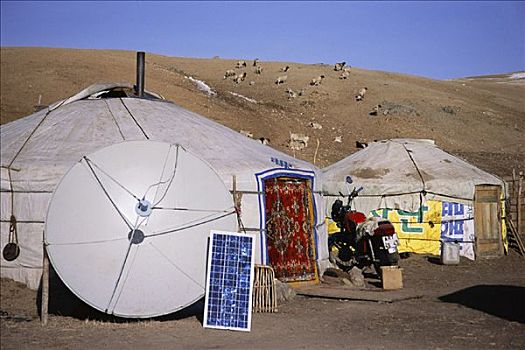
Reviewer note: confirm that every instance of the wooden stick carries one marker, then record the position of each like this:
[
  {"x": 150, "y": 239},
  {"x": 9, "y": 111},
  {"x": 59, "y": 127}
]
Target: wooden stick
[
  {"x": 316, "y": 149},
  {"x": 45, "y": 288},
  {"x": 236, "y": 202},
  {"x": 516, "y": 237},
  {"x": 513, "y": 195},
  {"x": 520, "y": 198}
]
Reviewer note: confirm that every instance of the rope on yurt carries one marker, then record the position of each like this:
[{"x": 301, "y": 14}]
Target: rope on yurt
[
  {"x": 134, "y": 119},
  {"x": 33, "y": 132},
  {"x": 11, "y": 250},
  {"x": 423, "y": 191},
  {"x": 13, "y": 221},
  {"x": 115, "y": 120}
]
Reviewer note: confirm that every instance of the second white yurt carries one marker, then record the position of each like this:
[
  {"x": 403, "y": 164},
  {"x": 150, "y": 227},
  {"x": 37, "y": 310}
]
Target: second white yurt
[{"x": 430, "y": 195}]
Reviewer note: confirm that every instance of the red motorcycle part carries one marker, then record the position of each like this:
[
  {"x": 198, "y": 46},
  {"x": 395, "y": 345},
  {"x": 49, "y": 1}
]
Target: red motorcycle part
[{"x": 385, "y": 228}]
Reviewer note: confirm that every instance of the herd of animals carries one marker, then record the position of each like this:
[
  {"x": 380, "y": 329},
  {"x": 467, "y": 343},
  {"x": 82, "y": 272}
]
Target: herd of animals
[
  {"x": 239, "y": 77},
  {"x": 297, "y": 141}
]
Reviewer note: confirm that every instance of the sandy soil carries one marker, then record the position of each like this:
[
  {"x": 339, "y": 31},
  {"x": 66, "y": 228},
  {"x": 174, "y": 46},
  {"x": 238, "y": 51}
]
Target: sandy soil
[
  {"x": 475, "y": 305},
  {"x": 481, "y": 119}
]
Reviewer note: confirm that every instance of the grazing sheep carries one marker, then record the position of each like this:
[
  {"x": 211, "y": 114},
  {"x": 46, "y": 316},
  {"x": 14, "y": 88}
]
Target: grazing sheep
[
  {"x": 229, "y": 73},
  {"x": 285, "y": 69},
  {"x": 246, "y": 133},
  {"x": 375, "y": 110},
  {"x": 281, "y": 79},
  {"x": 361, "y": 144},
  {"x": 240, "y": 64},
  {"x": 264, "y": 140},
  {"x": 316, "y": 81},
  {"x": 238, "y": 78},
  {"x": 315, "y": 125},
  {"x": 294, "y": 94},
  {"x": 256, "y": 62},
  {"x": 361, "y": 95},
  {"x": 345, "y": 73},
  {"x": 258, "y": 69},
  {"x": 298, "y": 141},
  {"x": 339, "y": 66},
  {"x": 338, "y": 139}
]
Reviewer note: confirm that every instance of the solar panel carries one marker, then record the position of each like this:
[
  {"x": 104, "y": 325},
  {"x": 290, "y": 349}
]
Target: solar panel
[{"x": 229, "y": 281}]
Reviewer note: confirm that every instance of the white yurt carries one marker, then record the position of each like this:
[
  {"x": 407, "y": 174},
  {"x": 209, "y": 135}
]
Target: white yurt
[
  {"x": 430, "y": 195},
  {"x": 278, "y": 196}
]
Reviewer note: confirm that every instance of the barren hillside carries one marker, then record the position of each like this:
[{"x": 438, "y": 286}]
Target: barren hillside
[{"x": 481, "y": 119}]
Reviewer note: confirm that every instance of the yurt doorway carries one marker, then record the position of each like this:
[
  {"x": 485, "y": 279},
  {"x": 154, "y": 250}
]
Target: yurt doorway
[
  {"x": 487, "y": 220},
  {"x": 290, "y": 228}
]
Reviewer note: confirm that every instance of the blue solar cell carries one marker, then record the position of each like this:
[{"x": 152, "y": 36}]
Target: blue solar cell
[{"x": 229, "y": 282}]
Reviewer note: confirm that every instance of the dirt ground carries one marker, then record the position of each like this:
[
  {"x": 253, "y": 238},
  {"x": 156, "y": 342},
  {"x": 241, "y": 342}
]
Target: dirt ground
[{"x": 475, "y": 305}]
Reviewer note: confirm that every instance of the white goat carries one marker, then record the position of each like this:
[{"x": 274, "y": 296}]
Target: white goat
[
  {"x": 264, "y": 140},
  {"x": 345, "y": 73},
  {"x": 316, "y": 81},
  {"x": 285, "y": 69},
  {"x": 339, "y": 66},
  {"x": 246, "y": 133},
  {"x": 315, "y": 125},
  {"x": 229, "y": 73},
  {"x": 361, "y": 94},
  {"x": 258, "y": 69},
  {"x": 298, "y": 141},
  {"x": 281, "y": 79},
  {"x": 294, "y": 94},
  {"x": 375, "y": 110},
  {"x": 238, "y": 78},
  {"x": 240, "y": 64}
]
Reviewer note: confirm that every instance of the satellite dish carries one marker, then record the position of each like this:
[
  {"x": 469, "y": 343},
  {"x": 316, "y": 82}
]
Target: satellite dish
[{"x": 127, "y": 227}]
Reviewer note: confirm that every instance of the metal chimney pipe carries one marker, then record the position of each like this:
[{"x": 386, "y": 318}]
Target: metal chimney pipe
[{"x": 139, "y": 88}]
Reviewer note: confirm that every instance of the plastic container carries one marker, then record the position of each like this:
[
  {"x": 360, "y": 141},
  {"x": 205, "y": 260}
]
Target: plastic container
[{"x": 449, "y": 253}]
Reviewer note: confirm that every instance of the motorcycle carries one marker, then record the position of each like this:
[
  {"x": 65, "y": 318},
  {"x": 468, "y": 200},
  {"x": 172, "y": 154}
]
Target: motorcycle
[{"x": 361, "y": 242}]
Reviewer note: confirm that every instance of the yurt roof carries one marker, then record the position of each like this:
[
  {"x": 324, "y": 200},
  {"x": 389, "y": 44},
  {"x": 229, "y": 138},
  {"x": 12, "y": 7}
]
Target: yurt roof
[
  {"x": 406, "y": 167},
  {"x": 52, "y": 140}
]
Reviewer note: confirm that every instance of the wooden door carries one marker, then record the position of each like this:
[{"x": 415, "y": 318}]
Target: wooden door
[
  {"x": 487, "y": 220},
  {"x": 290, "y": 229}
]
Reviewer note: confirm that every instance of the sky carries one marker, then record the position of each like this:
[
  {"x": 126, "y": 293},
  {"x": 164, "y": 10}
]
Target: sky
[{"x": 439, "y": 40}]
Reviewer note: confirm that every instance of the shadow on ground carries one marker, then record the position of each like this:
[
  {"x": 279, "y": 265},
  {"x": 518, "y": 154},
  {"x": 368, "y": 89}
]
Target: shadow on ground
[
  {"x": 63, "y": 302},
  {"x": 507, "y": 302}
]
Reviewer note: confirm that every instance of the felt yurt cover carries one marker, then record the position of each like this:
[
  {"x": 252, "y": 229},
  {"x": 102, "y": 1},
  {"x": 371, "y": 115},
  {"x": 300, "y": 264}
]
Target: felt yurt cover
[
  {"x": 36, "y": 151},
  {"x": 426, "y": 191}
]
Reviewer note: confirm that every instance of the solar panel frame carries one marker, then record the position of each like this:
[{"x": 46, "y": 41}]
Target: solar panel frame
[{"x": 229, "y": 281}]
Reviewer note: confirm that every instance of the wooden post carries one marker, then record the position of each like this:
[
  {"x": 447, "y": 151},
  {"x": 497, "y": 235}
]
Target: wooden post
[
  {"x": 520, "y": 198},
  {"x": 514, "y": 196},
  {"x": 236, "y": 202},
  {"x": 45, "y": 288},
  {"x": 316, "y": 149}
]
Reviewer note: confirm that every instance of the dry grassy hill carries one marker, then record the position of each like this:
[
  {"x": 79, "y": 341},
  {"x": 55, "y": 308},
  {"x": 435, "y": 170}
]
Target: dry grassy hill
[{"x": 479, "y": 118}]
